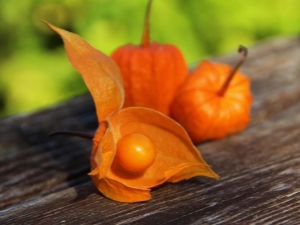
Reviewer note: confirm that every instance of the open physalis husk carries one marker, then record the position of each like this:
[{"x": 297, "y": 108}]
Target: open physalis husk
[{"x": 176, "y": 157}]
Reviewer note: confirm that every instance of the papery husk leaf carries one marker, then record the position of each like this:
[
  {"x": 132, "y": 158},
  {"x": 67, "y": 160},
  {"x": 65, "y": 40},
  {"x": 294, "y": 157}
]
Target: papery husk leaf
[
  {"x": 186, "y": 171},
  {"x": 100, "y": 73},
  {"x": 103, "y": 151},
  {"x": 117, "y": 191},
  {"x": 173, "y": 145}
]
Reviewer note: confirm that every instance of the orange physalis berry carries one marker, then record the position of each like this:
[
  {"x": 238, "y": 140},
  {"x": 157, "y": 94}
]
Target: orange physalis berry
[
  {"x": 214, "y": 101},
  {"x": 135, "y": 152},
  {"x": 152, "y": 72},
  {"x": 170, "y": 154}
]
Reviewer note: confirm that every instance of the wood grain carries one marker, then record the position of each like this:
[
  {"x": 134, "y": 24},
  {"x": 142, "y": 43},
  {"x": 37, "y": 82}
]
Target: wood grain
[{"x": 44, "y": 180}]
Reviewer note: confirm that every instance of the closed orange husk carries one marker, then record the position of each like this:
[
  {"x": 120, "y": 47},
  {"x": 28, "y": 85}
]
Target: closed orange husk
[
  {"x": 124, "y": 132},
  {"x": 152, "y": 72},
  {"x": 214, "y": 101}
]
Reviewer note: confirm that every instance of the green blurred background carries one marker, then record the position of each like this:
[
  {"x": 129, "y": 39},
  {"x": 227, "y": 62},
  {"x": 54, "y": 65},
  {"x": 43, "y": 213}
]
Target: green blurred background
[{"x": 35, "y": 73}]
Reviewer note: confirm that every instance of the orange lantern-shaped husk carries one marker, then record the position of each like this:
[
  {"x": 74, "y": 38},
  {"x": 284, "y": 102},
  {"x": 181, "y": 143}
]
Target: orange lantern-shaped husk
[
  {"x": 152, "y": 72},
  {"x": 214, "y": 101}
]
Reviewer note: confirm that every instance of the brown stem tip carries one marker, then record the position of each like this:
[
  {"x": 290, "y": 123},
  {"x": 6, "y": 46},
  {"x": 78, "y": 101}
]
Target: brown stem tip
[{"x": 244, "y": 51}]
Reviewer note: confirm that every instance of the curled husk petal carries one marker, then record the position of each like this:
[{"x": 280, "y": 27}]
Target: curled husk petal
[
  {"x": 101, "y": 74},
  {"x": 117, "y": 191}
]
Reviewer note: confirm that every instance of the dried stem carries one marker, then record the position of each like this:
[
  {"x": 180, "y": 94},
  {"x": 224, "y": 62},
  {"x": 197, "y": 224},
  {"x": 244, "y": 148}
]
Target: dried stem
[
  {"x": 244, "y": 51},
  {"x": 146, "y": 33},
  {"x": 73, "y": 133}
]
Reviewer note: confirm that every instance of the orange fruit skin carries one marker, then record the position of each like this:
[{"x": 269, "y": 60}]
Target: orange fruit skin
[{"x": 135, "y": 152}]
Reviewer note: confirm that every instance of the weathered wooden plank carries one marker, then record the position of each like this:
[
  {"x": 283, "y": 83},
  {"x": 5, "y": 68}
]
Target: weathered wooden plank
[
  {"x": 45, "y": 179},
  {"x": 210, "y": 203},
  {"x": 271, "y": 184},
  {"x": 37, "y": 163}
]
